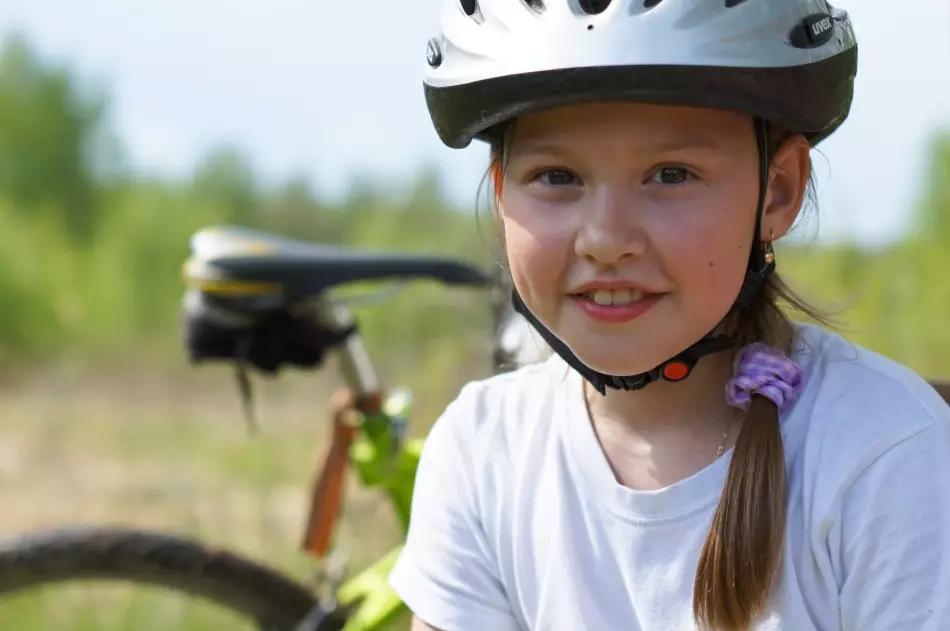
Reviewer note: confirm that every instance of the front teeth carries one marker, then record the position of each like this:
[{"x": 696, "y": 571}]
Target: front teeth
[{"x": 608, "y": 297}]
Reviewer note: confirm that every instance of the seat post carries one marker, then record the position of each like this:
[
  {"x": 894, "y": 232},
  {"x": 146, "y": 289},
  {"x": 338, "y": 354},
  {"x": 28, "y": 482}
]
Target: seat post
[{"x": 355, "y": 363}]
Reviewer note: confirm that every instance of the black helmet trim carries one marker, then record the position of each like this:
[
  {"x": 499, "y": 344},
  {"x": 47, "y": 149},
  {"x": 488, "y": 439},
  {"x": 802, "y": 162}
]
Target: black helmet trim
[{"x": 813, "y": 99}]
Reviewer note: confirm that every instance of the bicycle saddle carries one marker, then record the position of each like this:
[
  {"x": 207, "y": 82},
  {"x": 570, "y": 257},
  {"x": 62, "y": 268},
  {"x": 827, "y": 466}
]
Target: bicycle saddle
[{"x": 241, "y": 261}]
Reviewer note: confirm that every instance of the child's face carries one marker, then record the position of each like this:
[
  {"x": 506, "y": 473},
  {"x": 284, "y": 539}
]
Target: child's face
[{"x": 662, "y": 197}]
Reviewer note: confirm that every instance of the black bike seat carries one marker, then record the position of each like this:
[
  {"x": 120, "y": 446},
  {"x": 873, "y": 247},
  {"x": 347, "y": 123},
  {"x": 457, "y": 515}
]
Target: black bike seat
[{"x": 236, "y": 260}]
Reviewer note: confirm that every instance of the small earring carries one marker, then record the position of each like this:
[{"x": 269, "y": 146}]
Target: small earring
[{"x": 769, "y": 254}]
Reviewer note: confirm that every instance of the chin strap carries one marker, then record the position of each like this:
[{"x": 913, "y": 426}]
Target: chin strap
[{"x": 681, "y": 365}]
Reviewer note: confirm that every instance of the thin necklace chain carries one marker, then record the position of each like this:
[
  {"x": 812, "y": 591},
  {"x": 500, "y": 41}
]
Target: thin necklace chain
[
  {"x": 725, "y": 437},
  {"x": 722, "y": 443}
]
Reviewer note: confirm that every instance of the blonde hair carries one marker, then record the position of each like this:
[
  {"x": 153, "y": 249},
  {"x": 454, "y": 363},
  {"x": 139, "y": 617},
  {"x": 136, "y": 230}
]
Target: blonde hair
[{"x": 743, "y": 550}]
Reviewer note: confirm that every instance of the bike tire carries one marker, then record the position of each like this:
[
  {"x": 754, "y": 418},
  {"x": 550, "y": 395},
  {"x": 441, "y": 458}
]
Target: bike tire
[{"x": 274, "y": 601}]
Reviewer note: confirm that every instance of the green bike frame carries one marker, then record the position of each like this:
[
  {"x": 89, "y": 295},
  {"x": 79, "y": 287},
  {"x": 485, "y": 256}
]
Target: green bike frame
[{"x": 382, "y": 460}]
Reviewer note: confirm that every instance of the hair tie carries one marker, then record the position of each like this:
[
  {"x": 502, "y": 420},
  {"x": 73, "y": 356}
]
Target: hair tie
[{"x": 763, "y": 370}]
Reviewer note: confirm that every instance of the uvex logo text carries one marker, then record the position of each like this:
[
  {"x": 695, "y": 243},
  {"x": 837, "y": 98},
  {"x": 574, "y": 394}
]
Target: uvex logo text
[{"x": 821, "y": 26}]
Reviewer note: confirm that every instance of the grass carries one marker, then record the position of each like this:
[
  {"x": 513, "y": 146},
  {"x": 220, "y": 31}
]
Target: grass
[
  {"x": 95, "y": 608},
  {"x": 168, "y": 450}
]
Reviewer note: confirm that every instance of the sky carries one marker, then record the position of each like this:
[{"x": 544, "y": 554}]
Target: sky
[{"x": 333, "y": 90}]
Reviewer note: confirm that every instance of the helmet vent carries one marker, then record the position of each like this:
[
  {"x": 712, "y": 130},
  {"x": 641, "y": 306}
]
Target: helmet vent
[
  {"x": 733, "y": 3},
  {"x": 593, "y": 7},
  {"x": 470, "y": 7},
  {"x": 649, "y": 4},
  {"x": 535, "y": 5}
]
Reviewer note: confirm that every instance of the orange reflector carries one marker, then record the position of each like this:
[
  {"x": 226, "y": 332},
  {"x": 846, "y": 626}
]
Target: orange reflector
[{"x": 675, "y": 371}]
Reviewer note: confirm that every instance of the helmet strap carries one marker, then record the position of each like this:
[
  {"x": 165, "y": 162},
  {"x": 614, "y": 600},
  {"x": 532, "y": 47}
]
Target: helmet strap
[{"x": 680, "y": 366}]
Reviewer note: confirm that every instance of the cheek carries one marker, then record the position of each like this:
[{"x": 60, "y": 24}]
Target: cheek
[
  {"x": 706, "y": 252},
  {"x": 539, "y": 246}
]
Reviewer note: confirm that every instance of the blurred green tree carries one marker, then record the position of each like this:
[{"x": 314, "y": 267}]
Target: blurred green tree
[
  {"x": 934, "y": 212},
  {"x": 226, "y": 176},
  {"x": 48, "y": 128}
]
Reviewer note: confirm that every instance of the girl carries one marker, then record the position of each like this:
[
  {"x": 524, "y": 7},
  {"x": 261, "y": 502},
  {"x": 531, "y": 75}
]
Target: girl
[{"x": 689, "y": 457}]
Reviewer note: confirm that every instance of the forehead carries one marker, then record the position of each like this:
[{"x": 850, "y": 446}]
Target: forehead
[{"x": 636, "y": 124}]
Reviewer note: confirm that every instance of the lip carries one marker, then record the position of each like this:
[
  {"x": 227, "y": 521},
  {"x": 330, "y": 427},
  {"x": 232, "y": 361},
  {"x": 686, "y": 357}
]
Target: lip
[{"x": 614, "y": 284}]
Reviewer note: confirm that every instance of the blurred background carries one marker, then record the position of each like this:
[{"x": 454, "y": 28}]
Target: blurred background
[{"x": 126, "y": 127}]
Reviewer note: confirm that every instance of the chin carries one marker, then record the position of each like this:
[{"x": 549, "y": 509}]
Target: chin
[
  {"x": 619, "y": 360},
  {"x": 633, "y": 349}
]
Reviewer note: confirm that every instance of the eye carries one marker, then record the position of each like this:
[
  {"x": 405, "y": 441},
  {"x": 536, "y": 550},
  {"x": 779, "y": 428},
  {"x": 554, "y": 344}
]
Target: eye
[
  {"x": 671, "y": 176},
  {"x": 556, "y": 177}
]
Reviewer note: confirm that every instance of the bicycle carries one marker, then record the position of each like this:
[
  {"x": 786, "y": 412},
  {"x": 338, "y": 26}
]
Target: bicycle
[{"x": 261, "y": 300}]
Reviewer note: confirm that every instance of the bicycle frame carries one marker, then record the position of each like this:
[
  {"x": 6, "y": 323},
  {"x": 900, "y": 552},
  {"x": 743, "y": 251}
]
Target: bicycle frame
[{"x": 367, "y": 435}]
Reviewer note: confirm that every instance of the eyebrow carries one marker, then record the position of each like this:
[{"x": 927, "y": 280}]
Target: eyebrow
[{"x": 667, "y": 146}]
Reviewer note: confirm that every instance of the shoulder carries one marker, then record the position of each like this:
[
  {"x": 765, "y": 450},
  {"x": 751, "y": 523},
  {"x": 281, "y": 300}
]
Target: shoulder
[
  {"x": 497, "y": 415},
  {"x": 480, "y": 450},
  {"x": 493, "y": 421},
  {"x": 857, "y": 406},
  {"x": 860, "y": 392}
]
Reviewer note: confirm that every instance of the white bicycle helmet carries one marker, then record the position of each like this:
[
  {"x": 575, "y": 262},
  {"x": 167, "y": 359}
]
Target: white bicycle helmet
[
  {"x": 785, "y": 63},
  {"x": 790, "y": 62}
]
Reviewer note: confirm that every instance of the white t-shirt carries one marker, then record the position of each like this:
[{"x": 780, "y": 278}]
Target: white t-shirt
[{"x": 518, "y": 522}]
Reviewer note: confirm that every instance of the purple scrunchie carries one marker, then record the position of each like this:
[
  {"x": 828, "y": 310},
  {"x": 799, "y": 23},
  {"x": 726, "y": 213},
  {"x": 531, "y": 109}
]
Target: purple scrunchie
[{"x": 763, "y": 370}]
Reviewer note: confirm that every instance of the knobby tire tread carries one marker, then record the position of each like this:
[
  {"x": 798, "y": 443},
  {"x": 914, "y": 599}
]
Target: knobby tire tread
[{"x": 160, "y": 559}]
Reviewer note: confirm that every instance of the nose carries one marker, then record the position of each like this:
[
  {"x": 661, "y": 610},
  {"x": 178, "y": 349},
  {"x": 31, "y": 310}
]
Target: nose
[{"x": 611, "y": 232}]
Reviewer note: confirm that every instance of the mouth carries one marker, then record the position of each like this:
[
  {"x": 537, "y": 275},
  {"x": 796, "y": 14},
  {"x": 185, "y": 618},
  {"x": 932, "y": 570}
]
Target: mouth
[
  {"x": 617, "y": 305},
  {"x": 614, "y": 297}
]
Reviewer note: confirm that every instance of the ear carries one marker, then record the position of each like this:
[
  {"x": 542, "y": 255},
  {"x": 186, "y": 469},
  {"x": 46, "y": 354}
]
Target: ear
[{"x": 788, "y": 180}]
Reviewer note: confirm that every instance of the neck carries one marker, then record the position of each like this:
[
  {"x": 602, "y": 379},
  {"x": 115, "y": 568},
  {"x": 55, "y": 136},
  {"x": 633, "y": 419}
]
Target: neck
[{"x": 696, "y": 402}]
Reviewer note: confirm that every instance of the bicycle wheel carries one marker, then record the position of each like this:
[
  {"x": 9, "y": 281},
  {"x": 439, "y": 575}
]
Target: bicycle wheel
[{"x": 273, "y": 601}]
